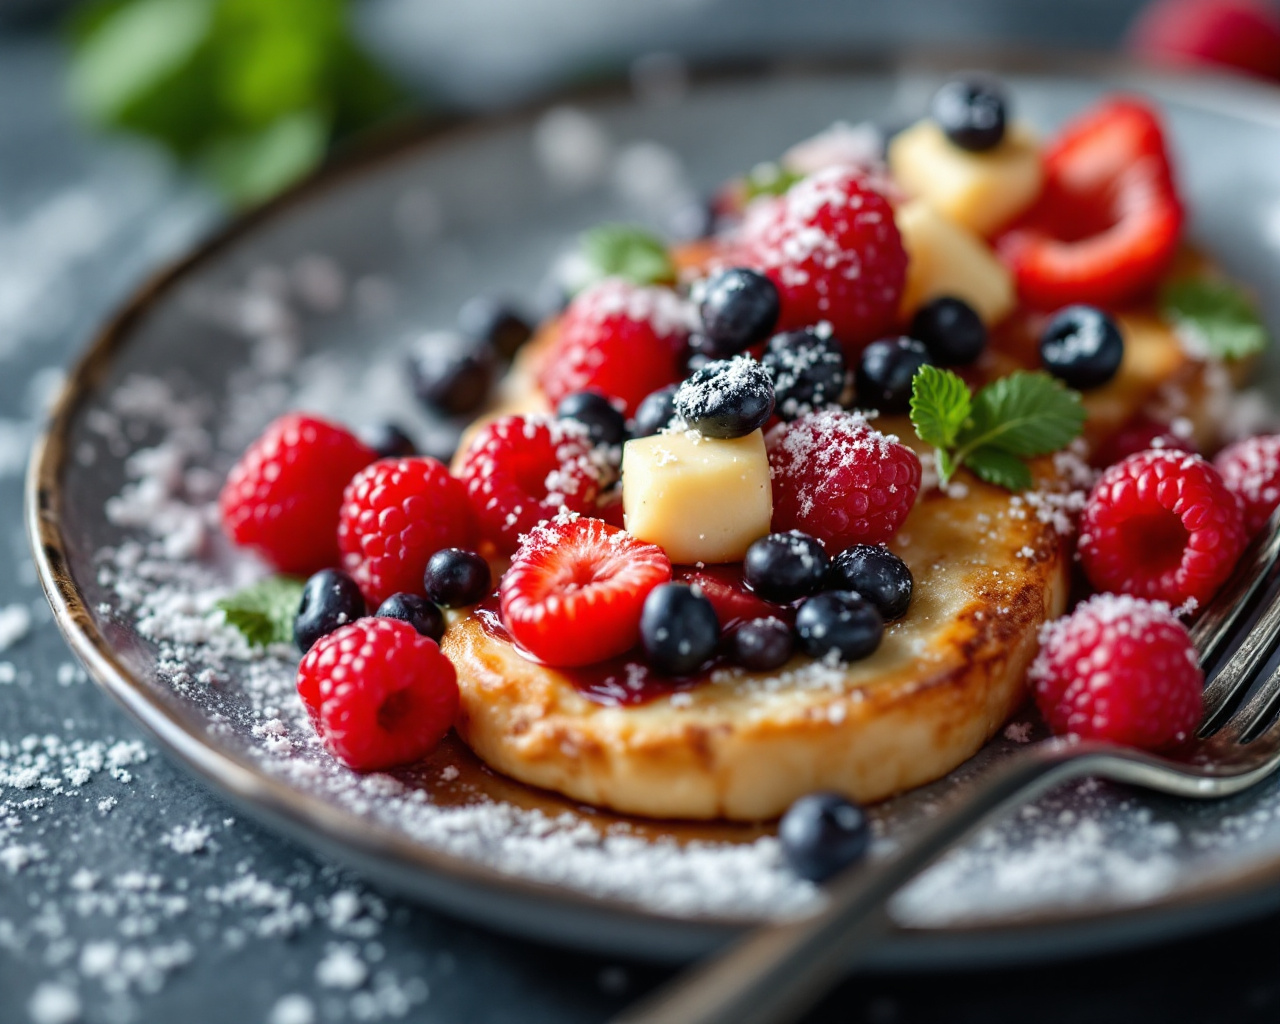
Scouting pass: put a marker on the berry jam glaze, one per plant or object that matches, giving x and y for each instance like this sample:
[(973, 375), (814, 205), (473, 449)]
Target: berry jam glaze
[(627, 680)]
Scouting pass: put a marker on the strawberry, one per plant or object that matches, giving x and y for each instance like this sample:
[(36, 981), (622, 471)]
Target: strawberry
[(575, 590), (1239, 34), (1108, 221)]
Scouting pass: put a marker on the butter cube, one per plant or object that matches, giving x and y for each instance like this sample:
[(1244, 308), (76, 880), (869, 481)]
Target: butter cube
[(945, 259), (980, 191), (700, 499)]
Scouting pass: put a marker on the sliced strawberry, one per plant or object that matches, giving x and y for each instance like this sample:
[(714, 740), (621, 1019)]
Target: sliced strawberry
[(734, 604), (575, 590), (1108, 222)]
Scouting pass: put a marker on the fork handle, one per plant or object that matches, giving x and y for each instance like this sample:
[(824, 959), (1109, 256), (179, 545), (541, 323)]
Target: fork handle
[(776, 972)]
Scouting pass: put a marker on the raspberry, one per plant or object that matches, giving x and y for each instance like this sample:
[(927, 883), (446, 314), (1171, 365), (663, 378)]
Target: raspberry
[(1251, 469), (520, 470), (1161, 524), (831, 247), (575, 590), (396, 514), (379, 693), (837, 479), (1138, 435), (618, 339), (282, 497), (1121, 669)]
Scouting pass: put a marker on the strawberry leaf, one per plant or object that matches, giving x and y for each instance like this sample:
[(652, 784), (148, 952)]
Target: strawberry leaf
[(624, 250)]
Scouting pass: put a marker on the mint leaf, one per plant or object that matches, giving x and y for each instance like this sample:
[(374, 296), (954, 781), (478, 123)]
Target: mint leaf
[(999, 468), (264, 612), (940, 405), (768, 179), (1216, 314), (1025, 414), (258, 164), (624, 250)]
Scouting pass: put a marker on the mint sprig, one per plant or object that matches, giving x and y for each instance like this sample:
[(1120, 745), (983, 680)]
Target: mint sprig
[(1216, 314), (264, 612), (1011, 419), (627, 251)]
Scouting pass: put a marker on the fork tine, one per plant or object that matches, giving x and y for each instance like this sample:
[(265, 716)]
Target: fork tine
[(1251, 720), (1242, 668), (1220, 618)]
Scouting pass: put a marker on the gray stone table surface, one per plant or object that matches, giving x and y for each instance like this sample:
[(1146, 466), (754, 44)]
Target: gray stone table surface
[(129, 893)]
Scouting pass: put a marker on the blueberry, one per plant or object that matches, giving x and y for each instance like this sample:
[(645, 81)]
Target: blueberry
[(972, 112), (822, 833), (420, 613), (678, 628), (739, 309), (875, 573), (883, 380), (452, 374), (726, 398), (840, 621), (761, 644), (808, 371), (1082, 347), (950, 329), (604, 422), (784, 566), (494, 322), (389, 441), (330, 599), (455, 578), (655, 411)]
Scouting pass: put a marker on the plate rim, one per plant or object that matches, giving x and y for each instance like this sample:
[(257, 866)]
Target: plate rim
[(314, 821)]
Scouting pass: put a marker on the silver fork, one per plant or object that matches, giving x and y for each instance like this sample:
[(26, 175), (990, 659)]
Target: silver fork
[(775, 973)]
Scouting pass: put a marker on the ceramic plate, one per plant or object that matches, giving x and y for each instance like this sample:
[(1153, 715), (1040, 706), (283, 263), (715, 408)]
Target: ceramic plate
[(309, 302)]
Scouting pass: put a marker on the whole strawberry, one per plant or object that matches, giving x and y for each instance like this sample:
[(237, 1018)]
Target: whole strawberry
[(282, 497)]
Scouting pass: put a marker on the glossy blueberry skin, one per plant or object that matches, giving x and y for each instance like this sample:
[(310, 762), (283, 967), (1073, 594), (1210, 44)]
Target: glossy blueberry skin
[(678, 629), (492, 320), (726, 398), (604, 422), (1082, 347), (452, 374), (972, 112), (823, 833), (330, 599), (883, 380), (739, 309), (456, 578), (875, 573), (761, 645), (420, 613), (654, 412), (841, 621), (785, 566), (950, 329), (808, 371), (389, 441)]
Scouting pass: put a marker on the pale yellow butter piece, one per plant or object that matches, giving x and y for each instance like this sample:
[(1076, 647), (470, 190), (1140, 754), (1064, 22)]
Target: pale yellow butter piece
[(944, 258), (980, 191), (700, 499)]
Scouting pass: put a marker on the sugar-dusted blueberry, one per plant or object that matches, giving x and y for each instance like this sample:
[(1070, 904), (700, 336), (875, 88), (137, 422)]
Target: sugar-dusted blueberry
[(808, 371), (761, 645), (951, 330), (492, 320), (456, 578), (330, 599), (604, 421), (839, 621), (784, 566), (654, 412), (389, 440), (883, 380), (678, 628), (452, 374), (726, 398), (972, 112), (420, 613), (876, 573), (823, 833), (1082, 347), (739, 309)]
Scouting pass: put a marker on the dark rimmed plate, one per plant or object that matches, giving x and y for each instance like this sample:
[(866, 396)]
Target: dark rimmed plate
[(413, 232)]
